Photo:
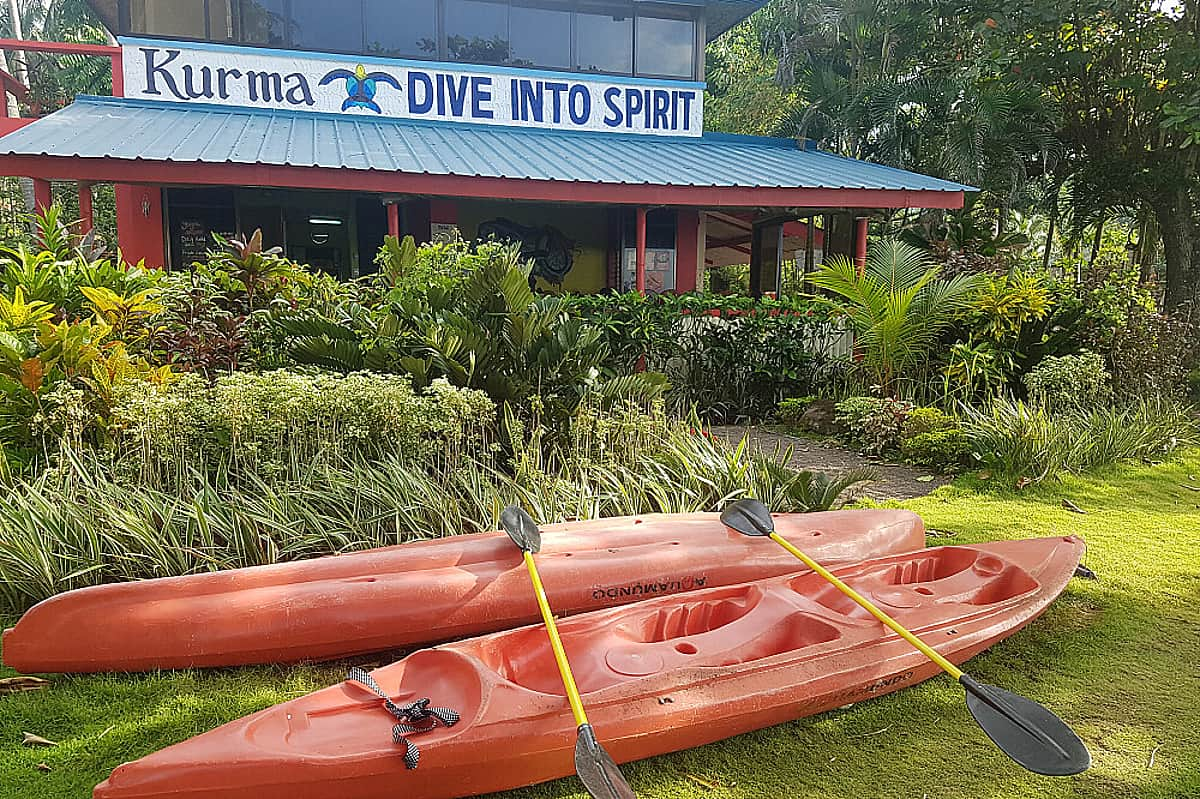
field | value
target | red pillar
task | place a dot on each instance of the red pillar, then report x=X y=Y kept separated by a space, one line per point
x=118 y=75
x=393 y=216
x=687 y=249
x=42 y=198
x=640 y=253
x=860 y=243
x=86 y=221
x=140 y=224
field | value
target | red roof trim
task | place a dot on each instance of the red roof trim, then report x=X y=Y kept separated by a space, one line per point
x=310 y=177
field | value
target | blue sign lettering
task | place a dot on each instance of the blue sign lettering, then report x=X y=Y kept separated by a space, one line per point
x=481 y=92
x=579 y=104
x=422 y=82
x=189 y=82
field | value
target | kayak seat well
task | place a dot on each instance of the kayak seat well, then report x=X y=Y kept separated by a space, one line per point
x=940 y=575
x=738 y=625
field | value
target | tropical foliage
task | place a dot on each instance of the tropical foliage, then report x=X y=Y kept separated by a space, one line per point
x=898 y=306
x=1004 y=98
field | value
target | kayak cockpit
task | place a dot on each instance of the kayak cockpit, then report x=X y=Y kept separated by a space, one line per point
x=348 y=719
x=800 y=616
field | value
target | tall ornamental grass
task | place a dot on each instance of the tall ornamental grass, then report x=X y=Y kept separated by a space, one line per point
x=1029 y=440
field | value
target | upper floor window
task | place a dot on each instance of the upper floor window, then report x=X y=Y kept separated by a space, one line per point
x=604 y=36
x=401 y=28
x=666 y=46
x=604 y=40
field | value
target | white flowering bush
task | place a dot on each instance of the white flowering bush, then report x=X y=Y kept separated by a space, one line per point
x=278 y=424
x=1070 y=382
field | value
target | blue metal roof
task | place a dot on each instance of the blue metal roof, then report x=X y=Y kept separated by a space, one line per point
x=140 y=130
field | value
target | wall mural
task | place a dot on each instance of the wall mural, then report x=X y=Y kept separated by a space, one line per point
x=552 y=253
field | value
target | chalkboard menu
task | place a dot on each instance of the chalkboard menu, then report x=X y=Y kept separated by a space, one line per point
x=194 y=240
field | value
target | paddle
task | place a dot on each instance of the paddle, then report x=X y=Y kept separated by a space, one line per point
x=596 y=769
x=1027 y=732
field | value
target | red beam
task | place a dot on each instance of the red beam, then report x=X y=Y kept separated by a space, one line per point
x=362 y=180
x=107 y=50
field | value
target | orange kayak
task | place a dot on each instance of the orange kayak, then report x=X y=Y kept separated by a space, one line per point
x=419 y=593
x=658 y=676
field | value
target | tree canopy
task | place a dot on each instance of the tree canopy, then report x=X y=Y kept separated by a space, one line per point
x=1077 y=112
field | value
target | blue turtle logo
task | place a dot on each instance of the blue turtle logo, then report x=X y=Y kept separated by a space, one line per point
x=361 y=86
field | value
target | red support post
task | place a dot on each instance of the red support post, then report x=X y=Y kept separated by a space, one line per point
x=640 y=253
x=118 y=74
x=687 y=249
x=393 y=217
x=140 y=224
x=86 y=220
x=860 y=243
x=42 y=198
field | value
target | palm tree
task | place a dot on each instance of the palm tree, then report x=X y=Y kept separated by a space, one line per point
x=898 y=306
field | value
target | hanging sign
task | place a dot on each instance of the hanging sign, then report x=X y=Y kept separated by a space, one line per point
x=186 y=72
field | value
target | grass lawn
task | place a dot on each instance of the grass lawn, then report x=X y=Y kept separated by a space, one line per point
x=1118 y=658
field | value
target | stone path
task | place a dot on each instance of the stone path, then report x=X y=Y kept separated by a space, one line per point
x=896 y=480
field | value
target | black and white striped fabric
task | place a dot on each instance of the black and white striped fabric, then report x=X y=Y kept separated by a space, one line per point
x=413 y=719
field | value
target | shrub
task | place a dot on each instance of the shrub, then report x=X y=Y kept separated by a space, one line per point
x=941 y=449
x=1004 y=303
x=932 y=437
x=1030 y=441
x=407 y=271
x=731 y=358
x=792 y=409
x=1069 y=381
x=281 y=423
x=927 y=420
x=876 y=425
x=1151 y=354
x=491 y=333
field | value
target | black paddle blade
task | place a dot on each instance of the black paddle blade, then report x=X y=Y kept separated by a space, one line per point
x=521 y=528
x=748 y=517
x=1027 y=732
x=596 y=770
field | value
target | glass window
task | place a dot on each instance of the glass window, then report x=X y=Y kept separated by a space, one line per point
x=666 y=47
x=325 y=25
x=264 y=22
x=604 y=41
x=477 y=32
x=540 y=37
x=168 y=18
x=401 y=27
x=220 y=20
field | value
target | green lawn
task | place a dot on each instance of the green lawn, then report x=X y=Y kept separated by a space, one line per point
x=1118 y=658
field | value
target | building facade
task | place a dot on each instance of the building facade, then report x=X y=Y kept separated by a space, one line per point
x=573 y=127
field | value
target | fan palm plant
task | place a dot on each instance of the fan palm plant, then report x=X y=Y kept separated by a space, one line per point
x=897 y=304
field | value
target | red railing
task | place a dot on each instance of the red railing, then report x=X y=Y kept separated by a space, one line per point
x=10 y=85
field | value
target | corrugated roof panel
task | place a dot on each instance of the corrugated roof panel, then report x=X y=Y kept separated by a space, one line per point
x=102 y=127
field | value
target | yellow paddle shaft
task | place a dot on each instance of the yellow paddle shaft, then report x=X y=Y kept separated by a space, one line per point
x=947 y=666
x=560 y=654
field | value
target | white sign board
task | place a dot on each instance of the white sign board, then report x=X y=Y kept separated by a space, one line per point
x=212 y=74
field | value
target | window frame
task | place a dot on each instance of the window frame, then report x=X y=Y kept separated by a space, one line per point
x=636 y=10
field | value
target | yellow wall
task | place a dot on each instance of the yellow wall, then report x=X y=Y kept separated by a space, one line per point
x=585 y=225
